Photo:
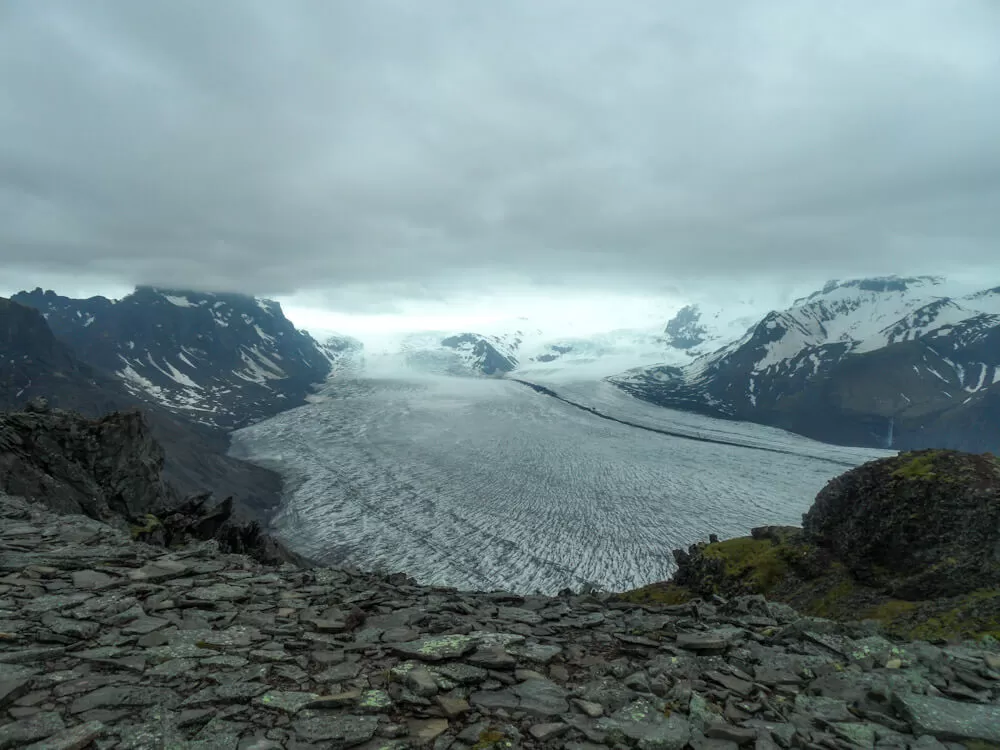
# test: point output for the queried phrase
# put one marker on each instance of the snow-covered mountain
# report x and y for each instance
(224, 360)
(558, 349)
(462, 353)
(899, 362)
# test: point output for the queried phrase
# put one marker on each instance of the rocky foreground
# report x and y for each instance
(111, 643)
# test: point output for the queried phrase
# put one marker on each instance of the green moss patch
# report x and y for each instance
(758, 562)
(918, 465)
(975, 615)
(149, 524)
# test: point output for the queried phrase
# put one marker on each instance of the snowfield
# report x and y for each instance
(487, 484)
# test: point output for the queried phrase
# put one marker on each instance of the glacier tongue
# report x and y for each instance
(484, 483)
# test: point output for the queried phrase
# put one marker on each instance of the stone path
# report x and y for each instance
(106, 643)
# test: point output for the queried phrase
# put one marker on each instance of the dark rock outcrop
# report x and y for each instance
(921, 525)
(196, 519)
(911, 541)
(110, 469)
(35, 364)
(484, 352)
(107, 468)
(685, 330)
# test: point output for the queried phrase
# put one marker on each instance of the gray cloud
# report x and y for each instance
(406, 149)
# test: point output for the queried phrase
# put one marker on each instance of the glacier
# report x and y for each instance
(487, 484)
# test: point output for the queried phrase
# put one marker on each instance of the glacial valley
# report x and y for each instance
(487, 484)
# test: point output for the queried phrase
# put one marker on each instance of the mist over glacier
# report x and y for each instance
(486, 484)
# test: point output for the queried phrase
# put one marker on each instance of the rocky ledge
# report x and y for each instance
(111, 643)
(110, 469)
(911, 542)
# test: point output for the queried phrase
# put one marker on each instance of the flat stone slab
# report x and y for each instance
(74, 738)
(439, 648)
(949, 720)
(647, 726)
(31, 729)
(345, 728)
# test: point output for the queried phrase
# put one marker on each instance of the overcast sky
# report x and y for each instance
(372, 157)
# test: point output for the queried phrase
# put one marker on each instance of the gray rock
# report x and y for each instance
(219, 592)
(345, 729)
(160, 570)
(492, 658)
(544, 732)
(86, 580)
(702, 641)
(494, 699)
(426, 731)
(130, 696)
(593, 710)
(949, 720)
(439, 648)
(542, 698)
(25, 731)
(738, 735)
(638, 681)
(647, 726)
(285, 701)
(421, 682)
(340, 672)
(78, 629)
(463, 674)
(239, 692)
(452, 707)
(539, 653)
(74, 738)
(728, 681)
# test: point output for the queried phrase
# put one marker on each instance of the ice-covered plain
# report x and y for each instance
(487, 484)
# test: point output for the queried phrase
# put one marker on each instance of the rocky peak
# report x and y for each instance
(877, 284)
(684, 330)
(110, 469)
(483, 352)
(220, 359)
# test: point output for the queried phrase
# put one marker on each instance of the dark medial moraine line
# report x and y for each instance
(697, 438)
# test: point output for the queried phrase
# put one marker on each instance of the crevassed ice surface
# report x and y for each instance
(486, 484)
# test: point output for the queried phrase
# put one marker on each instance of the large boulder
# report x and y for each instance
(920, 525)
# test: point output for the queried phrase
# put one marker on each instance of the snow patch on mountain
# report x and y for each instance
(953, 340)
(230, 356)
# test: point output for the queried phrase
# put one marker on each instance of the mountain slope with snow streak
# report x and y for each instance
(890, 362)
(224, 360)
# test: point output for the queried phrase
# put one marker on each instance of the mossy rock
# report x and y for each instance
(975, 616)
(492, 739)
(760, 564)
(148, 525)
(921, 525)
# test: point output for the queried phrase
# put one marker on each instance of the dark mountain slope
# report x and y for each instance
(33, 364)
(225, 360)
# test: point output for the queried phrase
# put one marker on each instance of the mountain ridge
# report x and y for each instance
(885, 362)
(223, 360)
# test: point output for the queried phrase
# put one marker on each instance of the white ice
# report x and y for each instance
(483, 483)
